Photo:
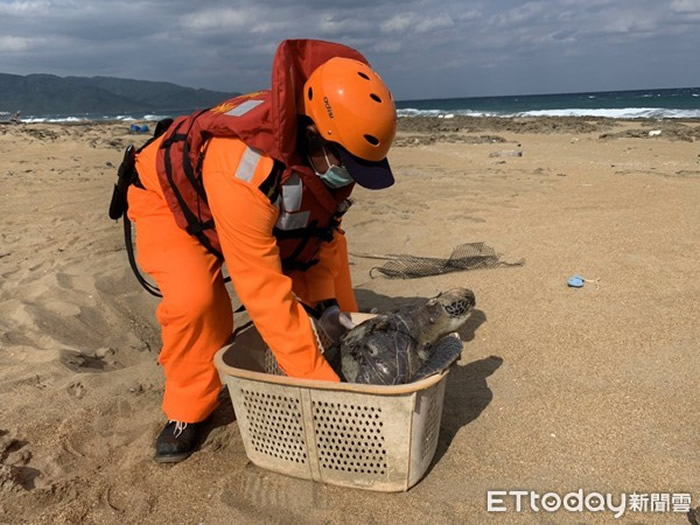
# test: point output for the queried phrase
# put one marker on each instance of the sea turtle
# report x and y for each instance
(404, 345)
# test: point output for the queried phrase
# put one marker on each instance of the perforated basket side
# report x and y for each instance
(270, 419)
(431, 428)
(270, 365)
(362, 440)
(350, 438)
(427, 417)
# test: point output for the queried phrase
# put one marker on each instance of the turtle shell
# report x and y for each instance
(380, 351)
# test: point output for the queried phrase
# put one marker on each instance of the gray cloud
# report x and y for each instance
(423, 48)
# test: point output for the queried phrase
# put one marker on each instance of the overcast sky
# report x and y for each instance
(422, 48)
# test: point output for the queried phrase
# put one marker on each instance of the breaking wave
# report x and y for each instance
(616, 113)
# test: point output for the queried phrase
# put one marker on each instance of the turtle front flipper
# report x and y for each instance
(442, 355)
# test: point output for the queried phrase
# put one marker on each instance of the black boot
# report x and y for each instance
(176, 441)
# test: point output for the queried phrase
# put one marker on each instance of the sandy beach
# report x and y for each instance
(558, 389)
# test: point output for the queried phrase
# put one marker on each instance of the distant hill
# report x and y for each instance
(49, 94)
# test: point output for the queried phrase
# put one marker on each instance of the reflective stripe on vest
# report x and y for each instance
(292, 191)
(243, 108)
(247, 164)
(290, 218)
(293, 221)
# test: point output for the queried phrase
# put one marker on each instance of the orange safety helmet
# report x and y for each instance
(350, 105)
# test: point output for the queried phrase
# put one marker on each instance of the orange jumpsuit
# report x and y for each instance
(195, 313)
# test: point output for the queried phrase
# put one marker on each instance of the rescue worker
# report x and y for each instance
(259, 182)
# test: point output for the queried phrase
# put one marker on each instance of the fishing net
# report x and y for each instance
(468, 256)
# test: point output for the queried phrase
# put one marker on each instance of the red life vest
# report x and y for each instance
(265, 121)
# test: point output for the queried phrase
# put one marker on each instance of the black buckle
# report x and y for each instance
(199, 227)
(125, 176)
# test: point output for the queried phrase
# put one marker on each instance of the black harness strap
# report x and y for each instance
(270, 187)
(189, 172)
(194, 225)
(325, 234)
(153, 290)
(291, 265)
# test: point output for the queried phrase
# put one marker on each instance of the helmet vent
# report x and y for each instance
(375, 97)
(363, 75)
(310, 93)
(372, 140)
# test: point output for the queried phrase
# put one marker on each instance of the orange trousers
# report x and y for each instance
(195, 314)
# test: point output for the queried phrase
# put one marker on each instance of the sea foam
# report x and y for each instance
(613, 113)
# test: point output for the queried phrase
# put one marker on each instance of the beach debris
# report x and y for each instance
(577, 281)
(405, 345)
(506, 154)
(135, 128)
(473, 124)
(467, 256)
(670, 131)
(415, 140)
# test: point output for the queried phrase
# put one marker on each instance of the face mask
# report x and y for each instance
(335, 176)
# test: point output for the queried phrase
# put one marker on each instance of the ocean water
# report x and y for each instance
(646, 103)
(100, 117)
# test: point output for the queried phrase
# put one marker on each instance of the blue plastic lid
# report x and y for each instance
(576, 281)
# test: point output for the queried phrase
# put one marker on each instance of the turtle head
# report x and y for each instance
(458, 303)
(448, 311)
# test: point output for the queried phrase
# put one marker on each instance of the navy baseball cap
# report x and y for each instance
(374, 175)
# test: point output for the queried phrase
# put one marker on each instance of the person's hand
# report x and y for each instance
(335, 323)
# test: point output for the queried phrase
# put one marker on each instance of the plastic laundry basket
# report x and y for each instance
(373, 437)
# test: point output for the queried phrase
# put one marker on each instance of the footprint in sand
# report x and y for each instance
(254, 489)
(76, 389)
(94, 434)
(89, 362)
(15, 474)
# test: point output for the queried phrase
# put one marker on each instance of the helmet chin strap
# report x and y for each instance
(313, 143)
(325, 156)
